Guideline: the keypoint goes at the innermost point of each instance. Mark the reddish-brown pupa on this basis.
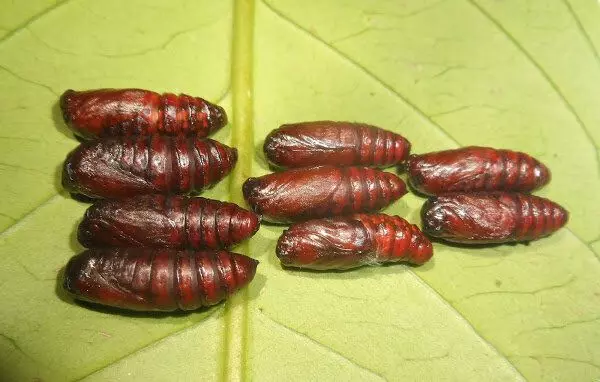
(475, 168)
(308, 193)
(108, 112)
(491, 217)
(160, 221)
(119, 167)
(345, 242)
(317, 143)
(150, 279)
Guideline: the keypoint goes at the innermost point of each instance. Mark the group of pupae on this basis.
(155, 247)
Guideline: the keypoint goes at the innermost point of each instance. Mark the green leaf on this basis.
(449, 73)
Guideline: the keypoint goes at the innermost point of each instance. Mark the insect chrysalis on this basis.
(344, 242)
(109, 112)
(307, 193)
(475, 169)
(119, 167)
(157, 279)
(334, 143)
(491, 217)
(177, 222)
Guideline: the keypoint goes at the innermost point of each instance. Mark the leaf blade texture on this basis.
(444, 74)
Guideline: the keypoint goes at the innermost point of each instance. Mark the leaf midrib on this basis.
(234, 343)
(236, 320)
(242, 135)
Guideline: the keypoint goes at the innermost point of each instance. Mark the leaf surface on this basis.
(520, 75)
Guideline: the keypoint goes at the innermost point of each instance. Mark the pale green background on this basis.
(445, 73)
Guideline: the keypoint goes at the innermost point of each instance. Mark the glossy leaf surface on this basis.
(444, 74)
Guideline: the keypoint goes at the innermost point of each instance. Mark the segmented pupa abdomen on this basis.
(110, 112)
(119, 167)
(157, 279)
(160, 221)
(308, 193)
(345, 242)
(318, 143)
(491, 217)
(473, 168)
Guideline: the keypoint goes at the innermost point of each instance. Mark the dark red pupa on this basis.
(475, 168)
(345, 242)
(119, 167)
(308, 193)
(317, 143)
(109, 112)
(160, 221)
(491, 217)
(149, 279)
